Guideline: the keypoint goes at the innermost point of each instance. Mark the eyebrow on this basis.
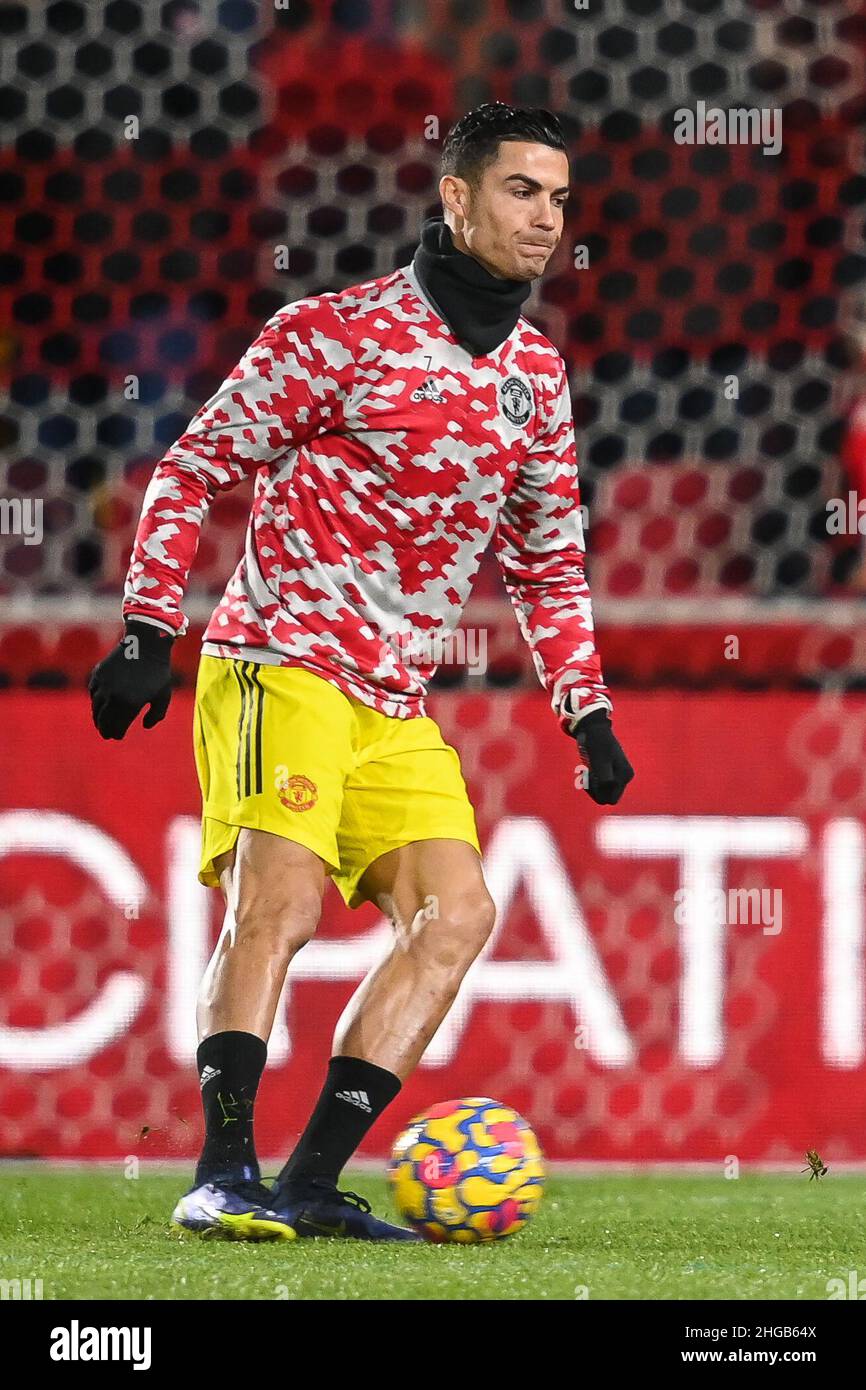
(536, 186)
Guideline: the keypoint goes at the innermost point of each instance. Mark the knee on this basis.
(474, 911)
(278, 923)
(460, 922)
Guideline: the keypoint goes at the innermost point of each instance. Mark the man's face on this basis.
(513, 222)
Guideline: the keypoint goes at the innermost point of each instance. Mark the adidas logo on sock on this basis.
(208, 1075)
(359, 1098)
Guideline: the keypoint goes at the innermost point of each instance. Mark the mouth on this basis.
(537, 246)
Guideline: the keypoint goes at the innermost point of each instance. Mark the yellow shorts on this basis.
(278, 748)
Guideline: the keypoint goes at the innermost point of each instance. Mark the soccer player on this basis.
(393, 430)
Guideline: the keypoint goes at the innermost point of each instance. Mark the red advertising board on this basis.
(679, 978)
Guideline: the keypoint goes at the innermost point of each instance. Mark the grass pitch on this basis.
(96, 1235)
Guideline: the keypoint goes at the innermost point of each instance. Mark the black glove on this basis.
(136, 673)
(609, 769)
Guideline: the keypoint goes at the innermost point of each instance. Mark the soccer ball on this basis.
(467, 1170)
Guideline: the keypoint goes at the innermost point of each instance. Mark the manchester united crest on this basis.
(515, 400)
(298, 793)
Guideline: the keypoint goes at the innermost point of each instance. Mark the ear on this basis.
(454, 194)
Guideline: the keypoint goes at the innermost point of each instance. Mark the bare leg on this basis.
(435, 895)
(273, 890)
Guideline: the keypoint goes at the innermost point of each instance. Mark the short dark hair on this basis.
(472, 145)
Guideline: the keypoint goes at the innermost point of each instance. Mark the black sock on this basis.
(230, 1067)
(353, 1097)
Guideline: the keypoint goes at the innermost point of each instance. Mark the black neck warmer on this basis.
(480, 309)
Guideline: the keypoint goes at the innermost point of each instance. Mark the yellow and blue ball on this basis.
(467, 1170)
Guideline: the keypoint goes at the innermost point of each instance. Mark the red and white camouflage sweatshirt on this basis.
(385, 458)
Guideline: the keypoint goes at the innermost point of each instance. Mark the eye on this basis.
(527, 193)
